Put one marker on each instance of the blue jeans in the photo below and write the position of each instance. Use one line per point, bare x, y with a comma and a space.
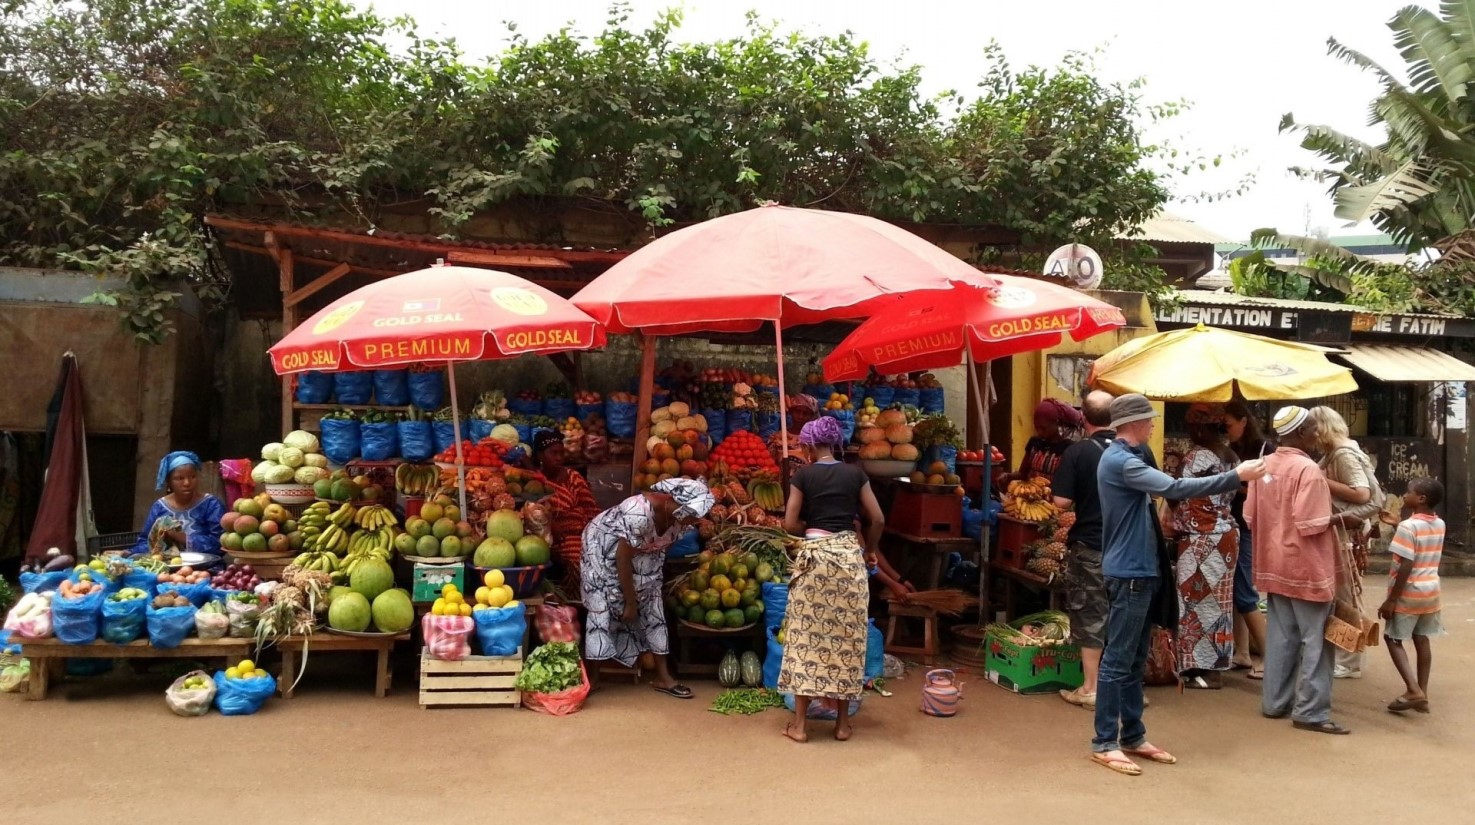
1246, 599
1123, 665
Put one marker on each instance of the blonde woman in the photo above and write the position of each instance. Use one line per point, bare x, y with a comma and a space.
1355, 491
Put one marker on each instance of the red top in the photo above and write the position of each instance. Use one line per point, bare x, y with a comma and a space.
1289, 513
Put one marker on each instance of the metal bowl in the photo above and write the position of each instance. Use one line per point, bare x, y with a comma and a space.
887, 468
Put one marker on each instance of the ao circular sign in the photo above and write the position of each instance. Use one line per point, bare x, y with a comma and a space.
1076, 263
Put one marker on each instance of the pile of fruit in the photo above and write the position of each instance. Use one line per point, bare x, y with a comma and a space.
723, 592
244, 670
128, 594
254, 527
163, 600
494, 592
586, 398
937, 475
997, 457
201, 681
867, 415
1046, 558
624, 398
370, 601
889, 438
294, 459
838, 401
450, 603
508, 544
416, 480
745, 455
446, 536
675, 450
1030, 500
742, 504
184, 575
340, 487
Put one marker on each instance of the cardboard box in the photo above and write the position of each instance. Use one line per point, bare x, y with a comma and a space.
429, 579
1027, 670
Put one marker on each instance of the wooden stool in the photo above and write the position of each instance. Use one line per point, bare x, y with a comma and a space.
931, 641
615, 670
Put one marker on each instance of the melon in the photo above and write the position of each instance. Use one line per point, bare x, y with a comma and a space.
349, 612
371, 577
393, 612
899, 434
752, 669
505, 525
531, 550
877, 450
427, 546
729, 672
870, 435
495, 552
890, 417
338, 590
450, 547
904, 452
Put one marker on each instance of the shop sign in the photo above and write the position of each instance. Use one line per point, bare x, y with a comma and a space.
1270, 319
1397, 461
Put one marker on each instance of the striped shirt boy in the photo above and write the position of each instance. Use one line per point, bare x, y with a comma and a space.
1420, 539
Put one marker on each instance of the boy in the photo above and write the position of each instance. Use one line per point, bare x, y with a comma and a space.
1412, 607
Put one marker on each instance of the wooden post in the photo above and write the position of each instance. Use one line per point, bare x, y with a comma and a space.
287, 283
647, 390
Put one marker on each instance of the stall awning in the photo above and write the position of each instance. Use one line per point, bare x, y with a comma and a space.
1388, 362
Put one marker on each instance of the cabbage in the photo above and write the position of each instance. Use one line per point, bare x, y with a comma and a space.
315, 460
302, 440
260, 471
270, 451
279, 475
309, 474
506, 433
290, 457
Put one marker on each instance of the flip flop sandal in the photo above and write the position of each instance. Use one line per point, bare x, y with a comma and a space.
678, 691
1152, 753
1125, 767
1256, 674
1328, 726
1401, 704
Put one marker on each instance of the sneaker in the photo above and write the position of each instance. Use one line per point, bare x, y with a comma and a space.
1340, 672
1079, 698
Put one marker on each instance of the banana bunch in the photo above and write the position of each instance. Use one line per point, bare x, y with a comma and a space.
343, 516
320, 561
314, 518
1025, 509
333, 539
375, 547
375, 516
416, 479
1036, 489
766, 494
379, 541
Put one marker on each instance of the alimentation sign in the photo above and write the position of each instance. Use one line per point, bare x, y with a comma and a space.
1320, 326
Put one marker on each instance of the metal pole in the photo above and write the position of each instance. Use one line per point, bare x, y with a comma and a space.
980, 396
783, 398
456, 428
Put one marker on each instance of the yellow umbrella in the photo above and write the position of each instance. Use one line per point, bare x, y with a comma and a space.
1208, 363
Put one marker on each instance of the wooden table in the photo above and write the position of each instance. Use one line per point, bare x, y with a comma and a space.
49, 655
933, 550
328, 642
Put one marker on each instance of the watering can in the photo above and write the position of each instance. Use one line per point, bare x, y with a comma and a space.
941, 693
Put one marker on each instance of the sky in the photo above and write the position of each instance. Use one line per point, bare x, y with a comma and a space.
1240, 65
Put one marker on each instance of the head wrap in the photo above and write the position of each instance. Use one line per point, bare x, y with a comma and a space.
1063, 414
1289, 419
172, 462
545, 439
694, 498
822, 432
1205, 414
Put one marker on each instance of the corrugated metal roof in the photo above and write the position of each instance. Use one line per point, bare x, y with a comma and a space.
1165, 227
1198, 296
1389, 362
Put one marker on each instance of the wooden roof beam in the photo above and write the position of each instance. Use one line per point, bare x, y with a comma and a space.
297, 296
480, 257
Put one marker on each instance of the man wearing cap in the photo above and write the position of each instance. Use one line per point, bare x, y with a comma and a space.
1289, 513
1125, 484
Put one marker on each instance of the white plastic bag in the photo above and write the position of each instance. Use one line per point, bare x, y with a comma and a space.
243, 616
190, 701
15, 674
446, 636
211, 625
31, 616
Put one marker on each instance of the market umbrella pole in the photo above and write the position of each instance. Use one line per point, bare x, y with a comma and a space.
980, 393
783, 400
456, 429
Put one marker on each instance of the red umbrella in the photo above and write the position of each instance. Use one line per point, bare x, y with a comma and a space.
445, 313
926, 331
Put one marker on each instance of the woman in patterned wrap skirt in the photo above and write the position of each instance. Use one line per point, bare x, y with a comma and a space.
825, 640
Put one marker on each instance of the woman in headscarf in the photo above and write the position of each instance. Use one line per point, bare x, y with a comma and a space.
1208, 548
825, 642
623, 561
570, 504
1056, 426
184, 517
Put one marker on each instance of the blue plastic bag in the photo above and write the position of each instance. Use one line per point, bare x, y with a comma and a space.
524, 433
768, 424
875, 652
930, 399
122, 622
775, 603
499, 630
109, 585
197, 593
819, 392
340, 439
847, 422
972, 523
140, 578
560, 409
619, 418
659, 398
42, 582
169, 626
242, 697
525, 407
587, 410
688, 545
945, 453
716, 425
416, 440
820, 709
772, 660
392, 387
442, 434
380, 442
77, 621
314, 387
738, 420
427, 389
353, 387
480, 428
884, 396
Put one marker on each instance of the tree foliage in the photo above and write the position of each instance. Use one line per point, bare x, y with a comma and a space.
124, 121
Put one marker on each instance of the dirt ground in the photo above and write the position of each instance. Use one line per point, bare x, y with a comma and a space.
109, 751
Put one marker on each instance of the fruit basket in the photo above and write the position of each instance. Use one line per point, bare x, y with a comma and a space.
290, 493
702, 628
887, 468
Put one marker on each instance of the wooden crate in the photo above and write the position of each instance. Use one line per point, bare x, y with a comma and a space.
476, 681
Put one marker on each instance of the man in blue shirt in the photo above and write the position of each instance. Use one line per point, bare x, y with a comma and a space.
1125, 484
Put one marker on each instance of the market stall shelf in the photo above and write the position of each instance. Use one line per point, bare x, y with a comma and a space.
689, 635
268, 566
476, 681
931, 643
48, 656
906, 552
381, 644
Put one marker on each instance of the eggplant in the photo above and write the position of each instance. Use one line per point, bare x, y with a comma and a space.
58, 563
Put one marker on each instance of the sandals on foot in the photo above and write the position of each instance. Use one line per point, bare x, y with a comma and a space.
1322, 727
1152, 753
1123, 766
1401, 704
1256, 674
678, 691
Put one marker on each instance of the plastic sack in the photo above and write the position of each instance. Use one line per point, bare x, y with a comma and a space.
525, 407
619, 418
340, 439
314, 387
892, 667
557, 622
560, 409
392, 388
42, 582
824, 710
416, 440
170, 626
190, 701
353, 387
122, 622
564, 702
242, 617
442, 435
479, 428
31, 616
972, 523
907, 397
768, 424
211, 625
875, 652
586, 411
738, 420
847, 422
145, 580
945, 453
525, 432
885, 396
197, 593
77, 621
775, 603
773, 660
716, 425
931, 399
499, 630
427, 389
819, 392
445, 636
380, 442
242, 697
108, 584
15, 674
688, 545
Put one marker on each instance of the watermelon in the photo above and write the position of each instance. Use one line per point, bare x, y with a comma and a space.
729, 672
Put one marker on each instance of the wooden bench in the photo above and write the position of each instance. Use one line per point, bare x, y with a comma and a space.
910, 552
48, 656
326, 642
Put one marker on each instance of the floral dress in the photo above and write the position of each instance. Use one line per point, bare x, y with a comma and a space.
607, 636
1208, 548
200, 523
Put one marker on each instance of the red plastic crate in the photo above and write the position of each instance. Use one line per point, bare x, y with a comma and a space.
1010, 540
925, 515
